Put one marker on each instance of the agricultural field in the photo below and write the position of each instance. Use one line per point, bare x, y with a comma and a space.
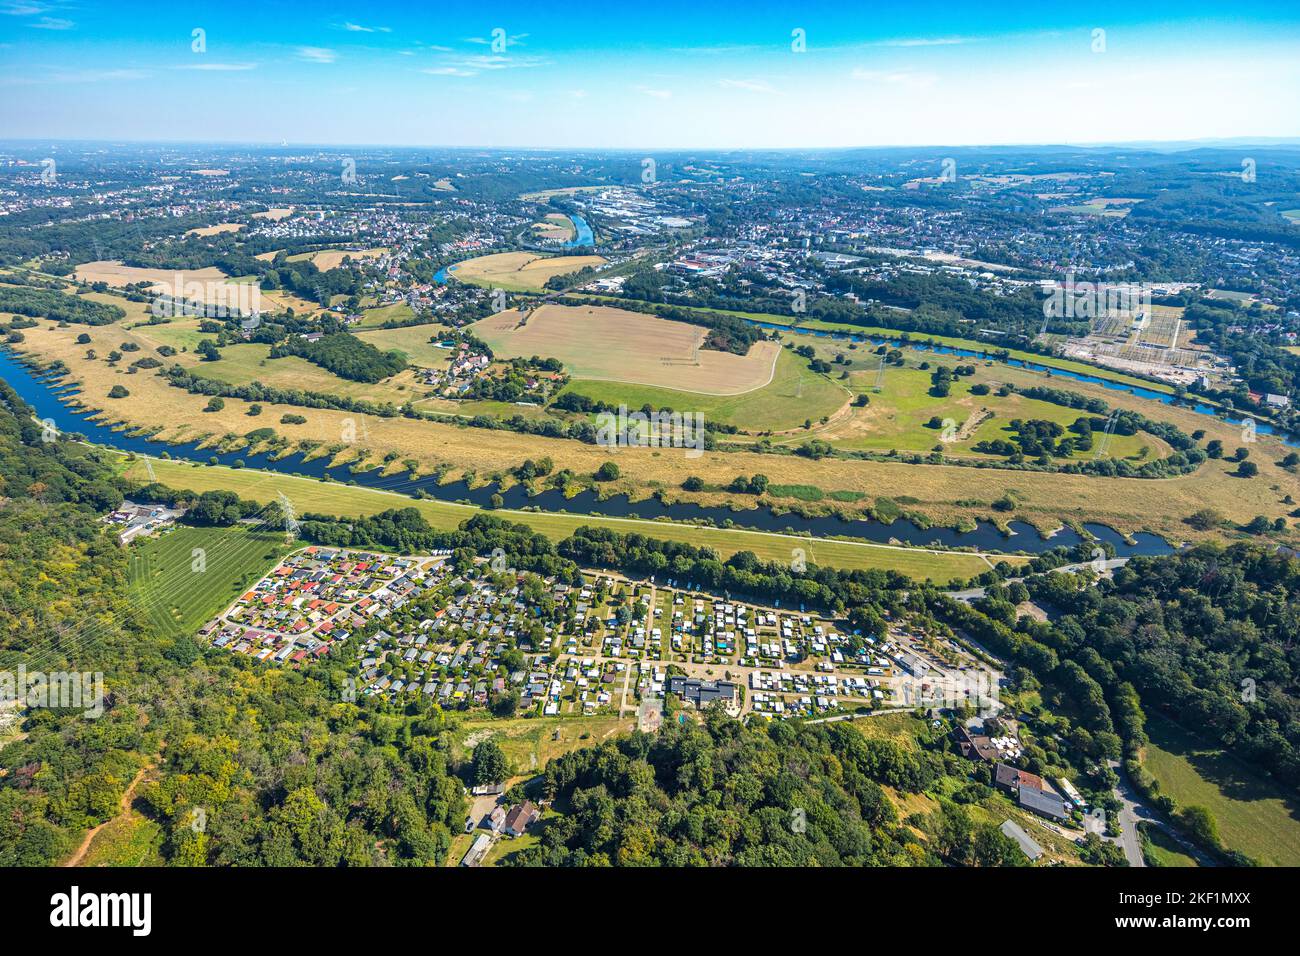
791, 325
326, 259
795, 394
213, 285
519, 271
185, 576
555, 226
599, 342
412, 341
118, 275
216, 230
1254, 815
1100, 206
545, 195
943, 494
372, 317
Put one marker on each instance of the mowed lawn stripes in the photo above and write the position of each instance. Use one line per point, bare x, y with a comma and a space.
185, 577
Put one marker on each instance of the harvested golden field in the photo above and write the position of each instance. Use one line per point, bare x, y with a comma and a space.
217, 229
519, 271
546, 194
555, 226
117, 275
609, 344
328, 259
209, 285
275, 214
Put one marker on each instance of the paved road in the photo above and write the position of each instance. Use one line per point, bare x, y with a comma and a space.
1130, 812
1133, 811
1109, 565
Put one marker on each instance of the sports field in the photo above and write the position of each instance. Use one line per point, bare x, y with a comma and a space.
604, 343
182, 578
519, 271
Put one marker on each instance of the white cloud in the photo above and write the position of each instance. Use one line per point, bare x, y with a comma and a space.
218, 67
908, 78
657, 94
360, 28
317, 54
479, 62
75, 76
15, 8
925, 41
52, 23
753, 86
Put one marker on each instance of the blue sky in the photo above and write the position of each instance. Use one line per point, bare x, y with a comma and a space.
648, 73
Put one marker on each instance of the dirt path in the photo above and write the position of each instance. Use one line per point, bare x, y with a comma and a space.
973, 422
127, 797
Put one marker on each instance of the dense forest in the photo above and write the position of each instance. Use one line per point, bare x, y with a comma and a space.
1208, 637
345, 355
1205, 636
309, 779
57, 306
767, 794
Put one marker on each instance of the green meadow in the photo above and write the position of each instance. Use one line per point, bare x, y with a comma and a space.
1254, 815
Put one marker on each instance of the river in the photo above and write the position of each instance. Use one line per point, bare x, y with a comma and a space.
49, 398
